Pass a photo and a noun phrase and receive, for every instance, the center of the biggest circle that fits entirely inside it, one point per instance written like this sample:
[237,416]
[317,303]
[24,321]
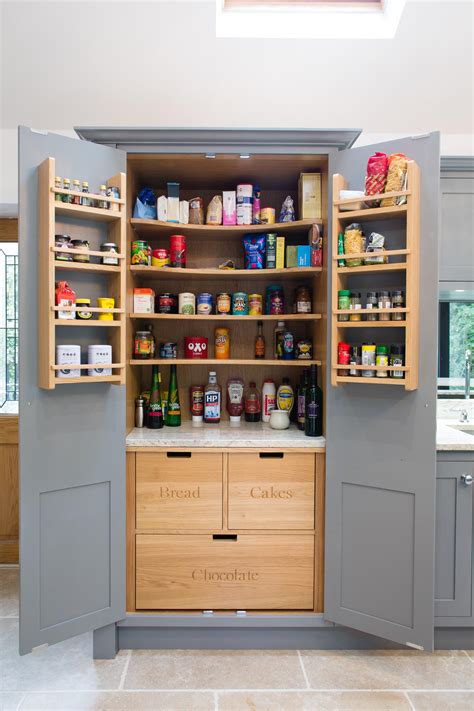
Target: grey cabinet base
[319,635]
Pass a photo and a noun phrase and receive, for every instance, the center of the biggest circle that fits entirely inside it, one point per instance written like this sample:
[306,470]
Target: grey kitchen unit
[380,449]
[456,246]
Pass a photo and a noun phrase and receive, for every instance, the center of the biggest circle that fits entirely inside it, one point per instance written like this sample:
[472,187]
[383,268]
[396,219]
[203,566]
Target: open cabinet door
[72,438]
[381,444]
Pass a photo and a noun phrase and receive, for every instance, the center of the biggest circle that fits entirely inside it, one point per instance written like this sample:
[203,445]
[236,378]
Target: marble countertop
[258,435]
[450,439]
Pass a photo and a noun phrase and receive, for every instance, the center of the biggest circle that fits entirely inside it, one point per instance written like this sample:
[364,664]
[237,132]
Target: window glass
[8,327]
[456,337]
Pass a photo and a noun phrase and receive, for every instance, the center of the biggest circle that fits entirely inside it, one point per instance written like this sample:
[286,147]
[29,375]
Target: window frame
[8,233]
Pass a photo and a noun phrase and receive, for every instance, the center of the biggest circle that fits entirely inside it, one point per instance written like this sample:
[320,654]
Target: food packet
[214,211]
[287,212]
[196,211]
[354,243]
[375,243]
[254,251]
[377,169]
[396,179]
[145,205]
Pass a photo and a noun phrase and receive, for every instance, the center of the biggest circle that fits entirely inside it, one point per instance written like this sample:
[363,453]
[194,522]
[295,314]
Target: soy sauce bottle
[313,422]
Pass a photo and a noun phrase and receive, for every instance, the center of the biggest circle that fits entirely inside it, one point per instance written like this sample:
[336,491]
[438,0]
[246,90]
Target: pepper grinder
[139,412]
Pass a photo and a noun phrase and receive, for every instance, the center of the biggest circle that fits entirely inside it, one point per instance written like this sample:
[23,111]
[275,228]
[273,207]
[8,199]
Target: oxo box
[195,347]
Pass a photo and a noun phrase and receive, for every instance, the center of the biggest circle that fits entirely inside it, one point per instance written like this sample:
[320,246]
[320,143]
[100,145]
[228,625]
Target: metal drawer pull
[271,455]
[467,479]
[224,536]
[179,455]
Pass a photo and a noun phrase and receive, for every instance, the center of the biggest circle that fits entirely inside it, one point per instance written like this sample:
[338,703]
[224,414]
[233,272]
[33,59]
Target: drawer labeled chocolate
[268,490]
[178,490]
[224,572]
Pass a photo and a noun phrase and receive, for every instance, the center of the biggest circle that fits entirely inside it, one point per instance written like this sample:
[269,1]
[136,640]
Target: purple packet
[254,249]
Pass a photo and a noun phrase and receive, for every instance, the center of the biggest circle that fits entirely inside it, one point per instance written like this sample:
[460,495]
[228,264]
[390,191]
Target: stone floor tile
[119,701]
[312,701]
[64,666]
[388,669]
[442,700]
[8,592]
[212,669]
[9,700]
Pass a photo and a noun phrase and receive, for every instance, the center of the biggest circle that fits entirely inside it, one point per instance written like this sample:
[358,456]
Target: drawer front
[201,571]
[271,491]
[178,492]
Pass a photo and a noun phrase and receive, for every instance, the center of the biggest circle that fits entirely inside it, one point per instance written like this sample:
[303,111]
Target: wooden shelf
[87,267]
[372,268]
[90,196]
[91,322]
[86,213]
[369,381]
[371,324]
[155,228]
[85,366]
[88,252]
[363,255]
[92,309]
[401,310]
[371,198]
[227,317]
[230,361]
[170,273]
[373,213]
[403,368]
[90,379]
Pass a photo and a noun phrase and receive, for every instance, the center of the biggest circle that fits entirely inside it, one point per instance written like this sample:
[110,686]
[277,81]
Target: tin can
[167,303]
[222,343]
[178,251]
[98,357]
[304,349]
[196,347]
[288,344]
[168,350]
[160,258]
[275,300]
[204,304]
[68,356]
[187,303]
[223,303]
[141,253]
[255,304]
[240,303]
[267,216]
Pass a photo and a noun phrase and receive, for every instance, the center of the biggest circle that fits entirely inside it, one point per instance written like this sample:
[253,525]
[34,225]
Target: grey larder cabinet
[456,261]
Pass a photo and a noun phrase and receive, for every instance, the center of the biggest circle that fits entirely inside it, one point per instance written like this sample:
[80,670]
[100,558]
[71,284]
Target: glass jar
[368,358]
[82,306]
[343,303]
[76,186]
[397,357]
[80,244]
[143,346]
[372,303]
[384,303]
[355,359]
[302,300]
[381,358]
[111,248]
[343,356]
[103,204]
[356,305]
[63,241]
[398,302]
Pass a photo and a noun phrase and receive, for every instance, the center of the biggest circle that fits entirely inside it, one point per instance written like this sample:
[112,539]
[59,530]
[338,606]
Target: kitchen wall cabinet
[456,247]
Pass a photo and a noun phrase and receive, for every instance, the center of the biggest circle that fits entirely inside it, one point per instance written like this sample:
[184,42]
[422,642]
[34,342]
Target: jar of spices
[356,305]
[80,244]
[343,356]
[355,359]
[103,204]
[111,248]
[397,357]
[113,192]
[398,302]
[372,302]
[63,241]
[381,358]
[76,186]
[143,346]
[368,357]
[82,306]
[58,184]
[66,196]
[343,303]
[384,302]
[223,303]
[302,300]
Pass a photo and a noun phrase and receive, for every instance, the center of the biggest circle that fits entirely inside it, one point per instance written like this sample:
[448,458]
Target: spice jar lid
[143,333]
[382,350]
[67,237]
[355,294]
[383,293]
[108,245]
[397,349]
[371,294]
[344,292]
[397,292]
[83,301]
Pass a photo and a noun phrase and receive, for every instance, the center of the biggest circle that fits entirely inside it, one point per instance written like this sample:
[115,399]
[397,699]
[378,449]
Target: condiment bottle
[173,411]
[343,303]
[235,400]
[280,329]
[381,358]
[314,406]
[212,399]
[154,420]
[260,342]
[268,399]
[139,412]
[398,302]
[252,403]
[285,396]
[397,357]
[356,305]
[196,393]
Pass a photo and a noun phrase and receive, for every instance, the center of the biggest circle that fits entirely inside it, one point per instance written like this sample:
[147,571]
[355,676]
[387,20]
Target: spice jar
[343,303]
[103,204]
[302,300]
[397,357]
[372,303]
[343,356]
[368,358]
[63,241]
[143,346]
[76,186]
[384,302]
[80,244]
[111,249]
[355,359]
[355,306]
[82,306]
[398,302]
[381,358]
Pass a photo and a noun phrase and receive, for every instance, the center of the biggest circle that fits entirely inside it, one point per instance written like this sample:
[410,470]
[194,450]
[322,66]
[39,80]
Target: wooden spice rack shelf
[170,273]
[410,212]
[204,362]
[226,317]
[155,228]
[50,210]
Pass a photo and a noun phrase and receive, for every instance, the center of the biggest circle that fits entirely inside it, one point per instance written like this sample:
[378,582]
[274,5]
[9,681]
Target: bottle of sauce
[268,399]
[212,399]
[285,396]
[196,395]
[173,411]
[301,400]
[252,403]
[154,420]
[313,426]
[235,400]
[260,342]
[280,329]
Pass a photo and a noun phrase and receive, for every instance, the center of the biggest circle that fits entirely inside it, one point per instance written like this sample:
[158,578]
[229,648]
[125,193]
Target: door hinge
[415,646]
[40,646]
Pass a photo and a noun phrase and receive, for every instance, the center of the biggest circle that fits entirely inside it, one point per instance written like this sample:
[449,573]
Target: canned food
[223,303]
[167,303]
[255,304]
[222,343]
[141,253]
[304,349]
[288,346]
[168,350]
[187,303]
[204,304]
[160,258]
[195,347]
[267,216]
[240,303]
[177,251]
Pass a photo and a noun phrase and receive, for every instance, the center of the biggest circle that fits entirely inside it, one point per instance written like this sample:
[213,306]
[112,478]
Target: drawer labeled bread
[224,572]
[269,490]
[178,490]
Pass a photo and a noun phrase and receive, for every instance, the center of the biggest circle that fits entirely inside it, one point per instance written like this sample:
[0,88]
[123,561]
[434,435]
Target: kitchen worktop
[450,439]
[258,435]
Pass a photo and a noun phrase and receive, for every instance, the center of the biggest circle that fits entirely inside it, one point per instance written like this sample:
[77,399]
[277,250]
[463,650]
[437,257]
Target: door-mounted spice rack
[50,209]
[407,267]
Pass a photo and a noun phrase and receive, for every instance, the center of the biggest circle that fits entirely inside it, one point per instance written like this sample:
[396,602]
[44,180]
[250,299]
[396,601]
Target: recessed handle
[179,455]
[224,536]
[271,455]
[467,479]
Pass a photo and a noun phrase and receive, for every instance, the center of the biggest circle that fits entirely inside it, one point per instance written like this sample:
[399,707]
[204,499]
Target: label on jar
[303,307]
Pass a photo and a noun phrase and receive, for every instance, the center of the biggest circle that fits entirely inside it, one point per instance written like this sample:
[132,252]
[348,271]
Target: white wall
[67,64]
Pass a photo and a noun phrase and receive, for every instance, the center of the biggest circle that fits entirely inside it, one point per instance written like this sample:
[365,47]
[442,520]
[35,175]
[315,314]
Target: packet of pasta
[377,168]
[396,179]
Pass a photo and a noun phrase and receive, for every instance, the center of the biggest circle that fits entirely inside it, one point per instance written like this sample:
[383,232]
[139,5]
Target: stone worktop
[450,439]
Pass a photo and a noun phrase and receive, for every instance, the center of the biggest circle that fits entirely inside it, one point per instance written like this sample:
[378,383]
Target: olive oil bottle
[154,420]
[173,412]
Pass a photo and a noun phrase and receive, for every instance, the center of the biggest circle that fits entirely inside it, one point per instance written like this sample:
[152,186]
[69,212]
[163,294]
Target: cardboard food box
[309,196]
[143,301]
[291,256]
[280,253]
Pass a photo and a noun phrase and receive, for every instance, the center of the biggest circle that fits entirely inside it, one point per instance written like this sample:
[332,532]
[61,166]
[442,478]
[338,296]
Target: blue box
[304,255]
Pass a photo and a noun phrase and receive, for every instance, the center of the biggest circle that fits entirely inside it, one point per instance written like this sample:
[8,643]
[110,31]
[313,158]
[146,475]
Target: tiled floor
[64,677]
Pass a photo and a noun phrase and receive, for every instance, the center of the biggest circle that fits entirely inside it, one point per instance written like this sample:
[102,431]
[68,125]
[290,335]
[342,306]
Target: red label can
[178,251]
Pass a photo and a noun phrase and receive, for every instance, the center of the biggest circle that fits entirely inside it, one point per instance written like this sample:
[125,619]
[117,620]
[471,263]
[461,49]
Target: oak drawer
[268,490]
[201,571]
[178,490]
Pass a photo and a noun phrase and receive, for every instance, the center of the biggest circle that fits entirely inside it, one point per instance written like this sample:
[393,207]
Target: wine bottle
[154,418]
[173,412]
[313,424]
[301,400]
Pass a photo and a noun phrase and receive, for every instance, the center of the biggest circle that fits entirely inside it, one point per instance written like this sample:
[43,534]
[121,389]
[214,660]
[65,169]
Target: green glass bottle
[301,400]
[173,413]
[313,423]
[154,420]
[340,250]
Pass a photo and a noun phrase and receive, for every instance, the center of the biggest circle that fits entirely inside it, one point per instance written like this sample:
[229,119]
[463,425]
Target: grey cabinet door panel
[453,546]
[456,261]
[72,440]
[380,448]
